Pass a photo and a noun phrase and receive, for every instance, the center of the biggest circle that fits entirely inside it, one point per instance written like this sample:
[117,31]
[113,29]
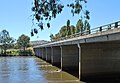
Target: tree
[86,27]
[72,29]
[57,36]
[63,31]
[52,38]
[68,28]
[79,26]
[5,40]
[45,10]
[23,41]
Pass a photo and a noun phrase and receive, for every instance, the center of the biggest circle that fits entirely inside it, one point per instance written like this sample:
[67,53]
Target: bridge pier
[70,59]
[48,54]
[44,53]
[56,56]
[40,52]
[35,50]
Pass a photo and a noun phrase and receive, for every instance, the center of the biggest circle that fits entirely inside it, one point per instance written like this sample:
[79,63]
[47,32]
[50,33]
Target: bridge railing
[92,31]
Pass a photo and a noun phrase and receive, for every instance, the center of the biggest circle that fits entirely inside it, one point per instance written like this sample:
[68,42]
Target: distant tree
[79,26]
[63,31]
[57,36]
[5,40]
[52,38]
[23,41]
[72,29]
[68,28]
[86,26]
[45,10]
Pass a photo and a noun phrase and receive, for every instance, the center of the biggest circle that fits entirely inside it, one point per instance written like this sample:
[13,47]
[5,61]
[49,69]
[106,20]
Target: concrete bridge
[89,54]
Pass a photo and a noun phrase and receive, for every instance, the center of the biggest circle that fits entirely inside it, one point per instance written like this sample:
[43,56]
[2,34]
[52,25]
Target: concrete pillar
[35,51]
[48,54]
[70,59]
[40,52]
[100,59]
[44,53]
[56,56]
[79,55]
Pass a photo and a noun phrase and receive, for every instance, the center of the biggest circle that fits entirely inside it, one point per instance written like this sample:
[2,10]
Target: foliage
[5,40]
[71,29]
[79,26]
[68,28]
[25,53]
[23,41]
[45,10]
[18,52]
[63,31]
[87,26]
[52,37]
[12,52]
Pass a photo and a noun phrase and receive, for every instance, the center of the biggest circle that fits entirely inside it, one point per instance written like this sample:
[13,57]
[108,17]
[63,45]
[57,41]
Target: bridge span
[91,53]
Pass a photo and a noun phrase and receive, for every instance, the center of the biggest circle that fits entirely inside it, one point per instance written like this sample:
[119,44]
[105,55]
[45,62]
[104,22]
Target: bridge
[89,54]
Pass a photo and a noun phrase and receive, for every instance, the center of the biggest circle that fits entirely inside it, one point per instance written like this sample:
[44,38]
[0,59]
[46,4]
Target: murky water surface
[32,70]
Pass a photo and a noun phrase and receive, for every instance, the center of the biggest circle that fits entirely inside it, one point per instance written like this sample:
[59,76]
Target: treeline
[68,29]
[9,45]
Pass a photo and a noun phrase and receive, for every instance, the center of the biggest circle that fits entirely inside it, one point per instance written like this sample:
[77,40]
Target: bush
[12,52]
[26,53]
[16,52]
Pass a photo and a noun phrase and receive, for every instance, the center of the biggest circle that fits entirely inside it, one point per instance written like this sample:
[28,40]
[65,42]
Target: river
[32,70]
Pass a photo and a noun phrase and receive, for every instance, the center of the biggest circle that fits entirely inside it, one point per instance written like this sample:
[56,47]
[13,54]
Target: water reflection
[32,70]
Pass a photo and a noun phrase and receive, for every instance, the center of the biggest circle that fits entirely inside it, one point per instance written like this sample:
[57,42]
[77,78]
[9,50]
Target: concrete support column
[48,54]
[35,50]
[70,59]
[79,54]
[40,52]
[56,56]
[44,53]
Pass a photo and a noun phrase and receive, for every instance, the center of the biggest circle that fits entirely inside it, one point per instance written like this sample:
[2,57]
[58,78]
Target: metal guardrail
[91,31]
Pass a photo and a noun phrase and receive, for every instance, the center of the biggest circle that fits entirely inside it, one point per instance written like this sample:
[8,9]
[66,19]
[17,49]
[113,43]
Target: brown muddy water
[32,70]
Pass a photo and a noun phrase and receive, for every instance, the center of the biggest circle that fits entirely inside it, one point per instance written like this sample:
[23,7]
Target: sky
[15,17]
